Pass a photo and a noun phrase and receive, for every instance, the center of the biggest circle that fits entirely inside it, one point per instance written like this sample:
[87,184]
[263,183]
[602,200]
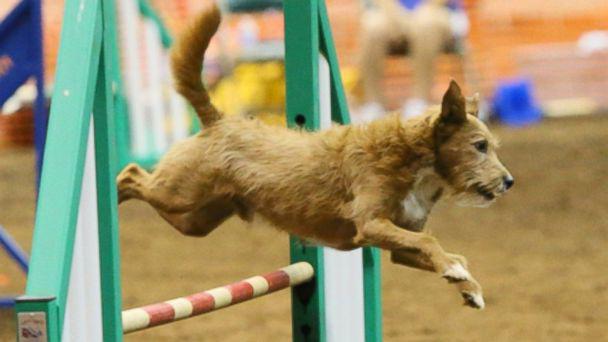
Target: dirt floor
[540,254]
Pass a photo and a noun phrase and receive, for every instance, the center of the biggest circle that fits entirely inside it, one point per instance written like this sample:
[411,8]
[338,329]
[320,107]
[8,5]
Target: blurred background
[541,68]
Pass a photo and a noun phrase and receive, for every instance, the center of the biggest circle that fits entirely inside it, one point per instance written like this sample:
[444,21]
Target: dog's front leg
[469,289]
[411,258]
[386,235]
[418,260]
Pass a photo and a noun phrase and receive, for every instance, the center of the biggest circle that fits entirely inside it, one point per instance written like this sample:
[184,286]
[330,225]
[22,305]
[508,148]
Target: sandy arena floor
[540,254]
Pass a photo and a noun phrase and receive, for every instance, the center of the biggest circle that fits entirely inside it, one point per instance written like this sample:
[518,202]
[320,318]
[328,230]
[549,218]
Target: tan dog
[346,187]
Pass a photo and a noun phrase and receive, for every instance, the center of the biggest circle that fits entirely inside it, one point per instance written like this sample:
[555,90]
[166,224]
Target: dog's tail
[187,63]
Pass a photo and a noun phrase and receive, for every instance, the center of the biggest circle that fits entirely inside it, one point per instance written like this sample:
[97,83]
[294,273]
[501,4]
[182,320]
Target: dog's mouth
[485,193]
[490,191]
[478,195]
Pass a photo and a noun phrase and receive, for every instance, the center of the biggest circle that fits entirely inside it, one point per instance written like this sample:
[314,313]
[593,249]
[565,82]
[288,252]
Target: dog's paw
[471,292]
[459,259]
[456,272]
[474,300]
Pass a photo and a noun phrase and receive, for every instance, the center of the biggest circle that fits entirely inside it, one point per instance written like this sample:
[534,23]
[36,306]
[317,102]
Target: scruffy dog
[346,187]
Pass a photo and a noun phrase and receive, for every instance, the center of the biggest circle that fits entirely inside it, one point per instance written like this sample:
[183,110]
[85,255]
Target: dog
[345,187]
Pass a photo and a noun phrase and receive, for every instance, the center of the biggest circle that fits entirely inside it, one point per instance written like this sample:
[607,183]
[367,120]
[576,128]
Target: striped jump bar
[220,297]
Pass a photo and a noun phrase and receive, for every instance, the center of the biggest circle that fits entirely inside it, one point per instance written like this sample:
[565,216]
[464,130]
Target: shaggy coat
[346,187]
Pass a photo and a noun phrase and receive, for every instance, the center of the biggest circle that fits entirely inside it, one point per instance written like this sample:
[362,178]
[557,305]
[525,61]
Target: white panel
[155,96]
[177,107]
[344,301]
[324,93]
[83,311]
[128,38]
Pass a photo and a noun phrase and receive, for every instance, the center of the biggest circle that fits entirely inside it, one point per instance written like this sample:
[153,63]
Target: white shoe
[368,112]
[413,107]
[459,23]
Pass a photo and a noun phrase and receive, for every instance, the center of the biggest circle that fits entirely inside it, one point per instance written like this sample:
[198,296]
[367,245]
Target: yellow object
[253,88]
[259,89]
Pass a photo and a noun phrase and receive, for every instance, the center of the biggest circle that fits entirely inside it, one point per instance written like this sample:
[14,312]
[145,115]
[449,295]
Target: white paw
[474,300]
[456,272]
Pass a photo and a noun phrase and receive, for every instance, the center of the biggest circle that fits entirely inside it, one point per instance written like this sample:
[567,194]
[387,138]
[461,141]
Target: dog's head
[465,152]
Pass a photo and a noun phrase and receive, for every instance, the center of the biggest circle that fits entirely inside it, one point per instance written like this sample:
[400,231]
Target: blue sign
[20,55]
[21,59]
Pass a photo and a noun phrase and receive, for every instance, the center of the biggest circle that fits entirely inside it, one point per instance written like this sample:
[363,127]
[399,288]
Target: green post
[372,285]
[83,86]
[105,156]
[147,11]
[301,65]
[308,32]
[59,196]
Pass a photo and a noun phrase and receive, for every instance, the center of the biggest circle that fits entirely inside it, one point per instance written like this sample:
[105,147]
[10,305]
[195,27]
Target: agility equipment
[16,254]
[73,288]
[347,293]
[21,59]
[151,115]
[214,299]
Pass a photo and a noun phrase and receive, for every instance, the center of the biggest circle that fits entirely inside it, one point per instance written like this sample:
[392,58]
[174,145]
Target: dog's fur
[346,187]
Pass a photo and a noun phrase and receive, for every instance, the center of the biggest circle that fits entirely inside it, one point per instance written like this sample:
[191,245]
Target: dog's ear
[453,105]
[472,105]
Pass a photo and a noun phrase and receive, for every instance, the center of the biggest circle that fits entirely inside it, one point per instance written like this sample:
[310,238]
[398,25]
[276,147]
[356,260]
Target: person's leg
[429,34]
[375,35]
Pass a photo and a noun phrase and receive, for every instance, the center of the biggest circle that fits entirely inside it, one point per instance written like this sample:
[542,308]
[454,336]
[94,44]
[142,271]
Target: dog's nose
[509,181]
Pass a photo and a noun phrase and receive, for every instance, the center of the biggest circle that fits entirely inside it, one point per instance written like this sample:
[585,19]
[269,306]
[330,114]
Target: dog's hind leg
[170,196]
[130,181]
[203,220]
[469,289]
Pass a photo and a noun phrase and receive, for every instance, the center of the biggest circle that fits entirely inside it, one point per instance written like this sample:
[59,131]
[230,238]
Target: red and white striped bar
[203,302]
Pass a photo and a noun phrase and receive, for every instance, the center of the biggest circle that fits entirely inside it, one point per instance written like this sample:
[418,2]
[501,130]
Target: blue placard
[19,52]
[21,59]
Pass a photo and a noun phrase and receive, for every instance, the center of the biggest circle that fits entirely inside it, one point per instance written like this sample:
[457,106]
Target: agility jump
[214,299]
[73,290]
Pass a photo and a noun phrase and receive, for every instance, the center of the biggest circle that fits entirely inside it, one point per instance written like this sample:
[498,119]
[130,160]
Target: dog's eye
[481,146]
